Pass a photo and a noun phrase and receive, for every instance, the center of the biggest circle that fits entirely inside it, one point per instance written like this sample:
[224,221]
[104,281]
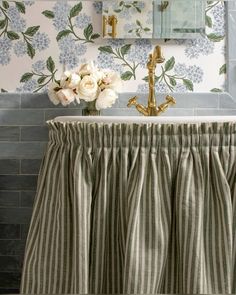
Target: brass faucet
[152,109]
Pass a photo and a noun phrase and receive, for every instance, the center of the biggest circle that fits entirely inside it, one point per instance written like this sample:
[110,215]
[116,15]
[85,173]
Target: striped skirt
[128,208]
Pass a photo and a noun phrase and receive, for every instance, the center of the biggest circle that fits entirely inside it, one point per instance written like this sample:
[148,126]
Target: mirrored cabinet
[179,19]
[127,19]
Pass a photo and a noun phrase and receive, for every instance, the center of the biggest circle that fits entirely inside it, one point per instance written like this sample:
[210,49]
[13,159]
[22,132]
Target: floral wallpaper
[40,39]
[135,18]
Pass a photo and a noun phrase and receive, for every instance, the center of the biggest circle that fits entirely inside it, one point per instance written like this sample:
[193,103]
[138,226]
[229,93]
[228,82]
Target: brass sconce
[110,20]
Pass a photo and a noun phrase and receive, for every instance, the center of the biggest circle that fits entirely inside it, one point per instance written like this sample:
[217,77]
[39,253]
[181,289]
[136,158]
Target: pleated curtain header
[96,135]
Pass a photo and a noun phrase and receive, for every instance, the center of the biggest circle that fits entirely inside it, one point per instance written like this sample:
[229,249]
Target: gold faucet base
[152,111]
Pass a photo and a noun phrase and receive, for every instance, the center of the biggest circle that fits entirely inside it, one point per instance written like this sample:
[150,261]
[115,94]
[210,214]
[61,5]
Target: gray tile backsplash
[21,150]
[10,101]
[34,133]
[30,166]
[10,231]
[21,117]
[27,198]
[9,198]
[10,263]
[9,133]
[11,247]
[23,136]
[15,215]
[9,166]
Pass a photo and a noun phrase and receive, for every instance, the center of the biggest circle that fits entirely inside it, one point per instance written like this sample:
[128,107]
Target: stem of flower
[7,21]
[71,26]
[40,74]
[26,39]
[119,56]
[52,78]
[163,76]
[174,77]
[91,105]
[211,6]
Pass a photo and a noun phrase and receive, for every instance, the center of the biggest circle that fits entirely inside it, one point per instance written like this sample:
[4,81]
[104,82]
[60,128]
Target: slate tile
[9,166]
[10,231]
[22,150]
[10,101]
[12,247]
[24,230]
[30,166]
[36,101]
[18,182]
[10,263]
[34,133]
[10,279]
[212,112]
[27,198]
[9,198]
[21,117]
[9,291]
[15,215]
[9,133]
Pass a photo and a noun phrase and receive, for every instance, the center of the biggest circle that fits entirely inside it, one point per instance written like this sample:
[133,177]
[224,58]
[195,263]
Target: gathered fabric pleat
[134,208]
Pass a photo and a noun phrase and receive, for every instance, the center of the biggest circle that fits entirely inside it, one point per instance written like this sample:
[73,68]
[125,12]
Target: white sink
[142,119]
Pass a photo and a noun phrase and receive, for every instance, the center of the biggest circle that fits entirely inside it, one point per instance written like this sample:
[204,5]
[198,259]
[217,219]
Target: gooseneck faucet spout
[152,110]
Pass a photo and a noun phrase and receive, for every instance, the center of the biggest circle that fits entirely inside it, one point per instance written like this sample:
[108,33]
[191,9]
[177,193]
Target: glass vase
[90,109]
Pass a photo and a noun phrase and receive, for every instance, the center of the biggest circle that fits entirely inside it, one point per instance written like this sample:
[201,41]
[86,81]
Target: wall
[23,132]
[32,31]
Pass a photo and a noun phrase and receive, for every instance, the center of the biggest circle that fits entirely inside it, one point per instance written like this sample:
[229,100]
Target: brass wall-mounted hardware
[104,26]
[111,21]
[163,5]
[152,110]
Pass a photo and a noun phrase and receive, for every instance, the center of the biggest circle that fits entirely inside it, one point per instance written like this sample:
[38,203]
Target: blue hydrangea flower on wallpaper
[67,33]
[74,27]
[16,36]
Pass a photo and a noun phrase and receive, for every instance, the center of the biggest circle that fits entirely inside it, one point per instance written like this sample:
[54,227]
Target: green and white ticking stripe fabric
[128,208]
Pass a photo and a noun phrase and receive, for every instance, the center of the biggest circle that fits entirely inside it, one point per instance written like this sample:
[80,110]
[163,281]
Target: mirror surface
[179,19]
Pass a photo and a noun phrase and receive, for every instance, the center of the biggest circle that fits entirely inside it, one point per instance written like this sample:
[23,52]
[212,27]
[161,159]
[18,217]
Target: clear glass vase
[91,110]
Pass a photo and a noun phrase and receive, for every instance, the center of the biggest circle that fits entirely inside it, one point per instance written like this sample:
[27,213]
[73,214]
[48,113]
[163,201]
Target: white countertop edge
[143,120]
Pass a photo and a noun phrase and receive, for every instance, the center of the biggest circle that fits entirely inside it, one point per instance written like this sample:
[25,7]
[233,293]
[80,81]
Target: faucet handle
[170,99]
[132,101]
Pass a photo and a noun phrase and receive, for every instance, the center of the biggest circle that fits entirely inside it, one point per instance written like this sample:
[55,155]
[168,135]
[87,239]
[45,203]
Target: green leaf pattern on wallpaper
[40,39]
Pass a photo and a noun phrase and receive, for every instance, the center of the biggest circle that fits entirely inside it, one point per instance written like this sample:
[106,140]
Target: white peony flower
[87,69]
[69,80]
[88,88]
[52,93]
[98,75]
[66,96]
[112,81]
[106,99]
[91,69]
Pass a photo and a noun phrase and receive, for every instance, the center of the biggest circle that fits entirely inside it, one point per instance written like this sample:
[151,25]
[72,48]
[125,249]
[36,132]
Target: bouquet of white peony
[87,83]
